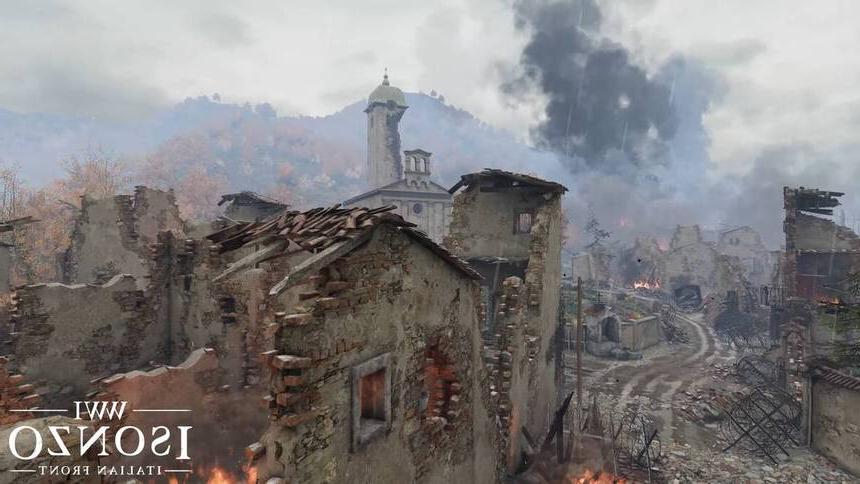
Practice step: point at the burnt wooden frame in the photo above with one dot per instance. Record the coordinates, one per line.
(360, 436)
(517, 213)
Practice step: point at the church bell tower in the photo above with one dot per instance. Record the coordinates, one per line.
(385, 107)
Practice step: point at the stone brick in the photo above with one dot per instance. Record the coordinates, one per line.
(291, 362)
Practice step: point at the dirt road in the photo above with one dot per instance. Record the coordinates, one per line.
(659, 376)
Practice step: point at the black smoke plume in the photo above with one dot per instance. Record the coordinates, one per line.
(601, 108)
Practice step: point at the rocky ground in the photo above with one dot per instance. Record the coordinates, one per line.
(681, 390)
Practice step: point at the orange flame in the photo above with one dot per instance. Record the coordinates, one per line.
(829, 300)
(598, 477)
(650, 285)
(219, 475)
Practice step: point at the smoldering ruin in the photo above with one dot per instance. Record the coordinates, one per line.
(417, 333)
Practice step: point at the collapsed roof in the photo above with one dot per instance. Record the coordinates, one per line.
(248, 197)
(506, 179)
(328, 233)
(817, 201)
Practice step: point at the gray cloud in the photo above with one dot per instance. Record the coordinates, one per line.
(67, 88)
(223, 30)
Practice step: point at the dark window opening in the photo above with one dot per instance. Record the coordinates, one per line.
(372, 394)
(523, 223)
(417, 208)
(609, 328)
(371, 400)
(228, 310)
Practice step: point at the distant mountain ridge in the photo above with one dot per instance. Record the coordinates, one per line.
(313, 160)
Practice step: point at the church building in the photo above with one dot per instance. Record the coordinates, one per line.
(400, 180)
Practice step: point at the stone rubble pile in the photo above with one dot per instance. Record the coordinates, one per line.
(684, 464)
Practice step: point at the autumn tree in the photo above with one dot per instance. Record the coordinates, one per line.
(95, 174)
(40, 246)
(10, 192)
(198, 193)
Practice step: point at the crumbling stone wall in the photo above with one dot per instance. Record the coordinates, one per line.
(482, 224)
(543, 282)
(391, 297)
(836, 424)
(220, 412)
(745, 246)
(522, 354)
(691, 261)
(15, 394)
(112, 235)
(65, 336)
(816, 233)
(5, 266)
(27, 444)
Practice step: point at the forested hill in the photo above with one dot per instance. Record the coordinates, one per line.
(309, 160)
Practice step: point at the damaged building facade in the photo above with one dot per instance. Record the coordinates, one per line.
(508, 226)
(818, 322)
(378, 355)
(137, 297)
(690, 270)
(344, 341)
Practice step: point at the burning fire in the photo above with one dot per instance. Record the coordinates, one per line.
(650, 285)
(598, 477)
(829, 300)
(218, 475)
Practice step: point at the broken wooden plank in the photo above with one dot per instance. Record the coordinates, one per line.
(251, 260)
(318, 261)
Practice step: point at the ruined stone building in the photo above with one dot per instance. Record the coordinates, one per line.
(379, 372)
(7, 250)
(249, 206)
(375, 365)
(745, 245)
(690, 270)
(818, 327)
(113, 235)
(621, 325)
(361, 336)
(404, 182)
(144, 302)
(508, 226)
(819, 254)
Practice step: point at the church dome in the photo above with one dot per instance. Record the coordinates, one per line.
(386, 92)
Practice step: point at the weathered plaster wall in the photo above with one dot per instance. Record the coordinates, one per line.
(640, 334)
(691, 261)
(5, 266)
(112, 235)
(434, 217)
(745, 245)
(835, 424)
(521, 355)
(220, 413)
(816, 233)
(543, 280)
(482, 223)
(390, 297)
(685, 235)
(69, 335)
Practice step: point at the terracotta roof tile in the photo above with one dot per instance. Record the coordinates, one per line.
(319, 228)
(516, 179)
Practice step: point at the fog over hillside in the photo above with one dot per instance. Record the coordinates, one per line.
(255, 149)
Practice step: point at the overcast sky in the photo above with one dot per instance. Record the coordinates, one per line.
(789, 68)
